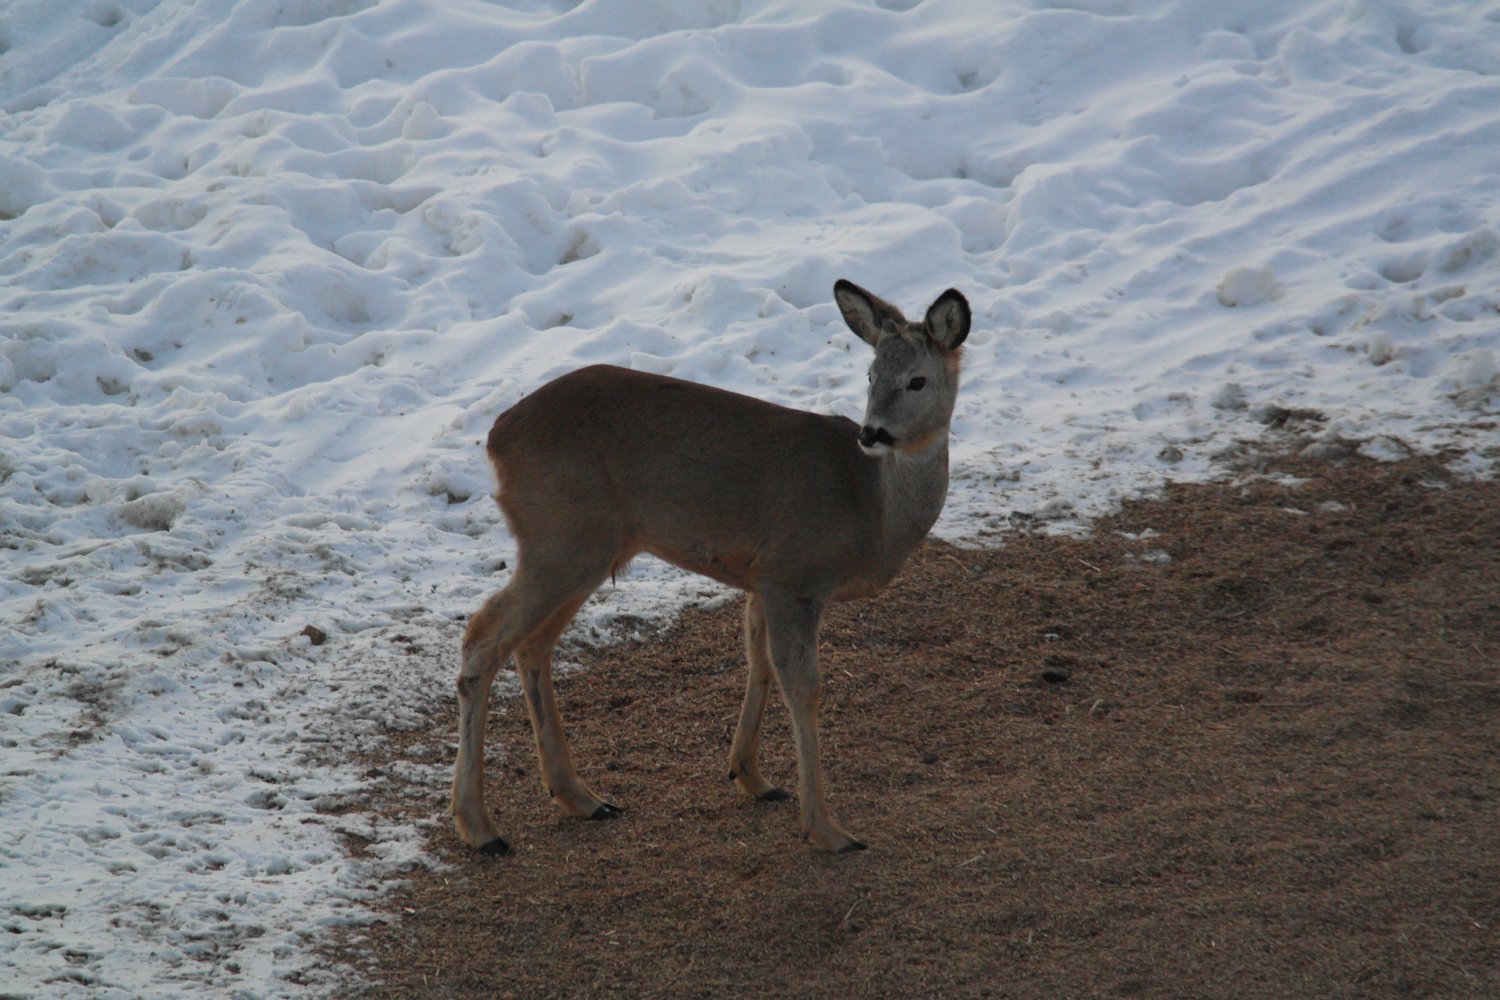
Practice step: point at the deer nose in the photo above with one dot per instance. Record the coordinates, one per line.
(871, 436)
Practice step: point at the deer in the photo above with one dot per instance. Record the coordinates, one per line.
(796, 509)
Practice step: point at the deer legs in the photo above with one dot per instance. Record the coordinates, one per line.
(792, 630)
(526, 619)
(744, 754)
(484, 653)
(534, 665)
(781, 635)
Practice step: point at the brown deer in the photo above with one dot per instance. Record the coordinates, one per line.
(796, 509)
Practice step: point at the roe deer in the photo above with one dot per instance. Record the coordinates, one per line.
(797, 509)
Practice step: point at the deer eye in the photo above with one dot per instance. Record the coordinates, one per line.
(916, 383)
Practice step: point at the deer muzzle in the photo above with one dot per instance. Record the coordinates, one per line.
(875, 440)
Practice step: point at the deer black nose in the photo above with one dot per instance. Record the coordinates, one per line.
(871, 436)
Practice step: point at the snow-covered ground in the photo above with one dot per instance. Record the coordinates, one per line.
(270, 268)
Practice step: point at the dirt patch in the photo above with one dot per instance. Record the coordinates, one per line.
(1244, 741)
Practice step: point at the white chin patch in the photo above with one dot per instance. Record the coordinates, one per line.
(875, 450)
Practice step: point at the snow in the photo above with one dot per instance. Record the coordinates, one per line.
(270, 268)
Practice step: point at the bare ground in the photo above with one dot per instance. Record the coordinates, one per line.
(1244, 741)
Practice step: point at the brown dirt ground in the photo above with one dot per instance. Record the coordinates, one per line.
(1264, 765)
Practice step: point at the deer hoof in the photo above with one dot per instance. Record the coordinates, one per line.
(852, 846)
(775, 795)
(607, 811)
(496, 848)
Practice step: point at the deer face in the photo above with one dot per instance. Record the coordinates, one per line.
(914, 378)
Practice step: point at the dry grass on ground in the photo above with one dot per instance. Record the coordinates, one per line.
(1242, 742)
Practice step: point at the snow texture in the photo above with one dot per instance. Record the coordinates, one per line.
(270, 268)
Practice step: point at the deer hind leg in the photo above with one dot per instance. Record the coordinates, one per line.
(744, 753)
(534, 664)
(508, 621)
(488, 641)
(792, 623)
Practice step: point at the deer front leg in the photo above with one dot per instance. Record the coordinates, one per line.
(792, 624)
(744, 753)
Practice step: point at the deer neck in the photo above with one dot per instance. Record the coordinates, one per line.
(913, 486)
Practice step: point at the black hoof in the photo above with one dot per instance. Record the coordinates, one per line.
(497, 847)
(607, 811)
(853, 846)
(775, 795)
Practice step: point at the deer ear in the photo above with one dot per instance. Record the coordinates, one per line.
(948, 319)
(866, 314)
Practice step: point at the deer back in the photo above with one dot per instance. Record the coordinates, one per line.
(716, 482)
